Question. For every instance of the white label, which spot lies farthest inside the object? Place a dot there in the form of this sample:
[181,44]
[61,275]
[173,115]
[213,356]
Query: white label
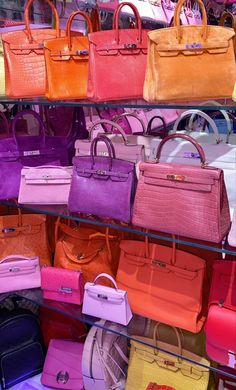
[31,153]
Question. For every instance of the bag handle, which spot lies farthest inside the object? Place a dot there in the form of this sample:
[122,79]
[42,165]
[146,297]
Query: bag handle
[133,115]
[149,126]
[110,148]
[20,115]
[227,117]
[27,22]
[111,123]
[225,16]
[69,23]
[104,275]
[14,257]
[116,24]
[186,138]
[156,337]
[6,127]
[177,19]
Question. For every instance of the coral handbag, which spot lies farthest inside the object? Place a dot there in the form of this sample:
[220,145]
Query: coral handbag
[68,56]
[176,54]
[114,51]
[24,57]
[221,321]
[194,198]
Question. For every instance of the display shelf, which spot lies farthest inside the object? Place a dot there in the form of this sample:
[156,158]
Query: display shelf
[63,212]
[75,312]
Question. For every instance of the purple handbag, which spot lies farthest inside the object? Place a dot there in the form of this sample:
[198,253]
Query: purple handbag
[111,114]
[103,186]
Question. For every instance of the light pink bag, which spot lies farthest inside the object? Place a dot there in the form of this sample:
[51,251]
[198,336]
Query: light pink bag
[18,273]
[45,185]
[62,285]
[62,367]
[106,302]
[232,233]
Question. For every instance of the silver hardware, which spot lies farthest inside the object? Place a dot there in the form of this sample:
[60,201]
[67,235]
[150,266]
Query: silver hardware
[100,172]
[82,52]
[62,377]
[191,155]
[158,263]
[193,46]
[221,302]
[65,290]
[102,296]
[80,256]
[8,230]
[130,46]
[104,154]
[14,269]
[40,46]
[31,153]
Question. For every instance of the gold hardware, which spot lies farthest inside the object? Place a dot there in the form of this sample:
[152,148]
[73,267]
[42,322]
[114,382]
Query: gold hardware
[176,177]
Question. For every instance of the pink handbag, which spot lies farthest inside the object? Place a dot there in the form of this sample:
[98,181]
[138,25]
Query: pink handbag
[18,272]
[232,233]
[105,302]
[62,367]
[62,285]
[180,199]
[45,185]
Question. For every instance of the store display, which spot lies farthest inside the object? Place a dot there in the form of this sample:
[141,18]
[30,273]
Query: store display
[232,233]
[176,54]
[18,273]
[105,357]
[108,303]
[221,321]
[62,367]
[62,285]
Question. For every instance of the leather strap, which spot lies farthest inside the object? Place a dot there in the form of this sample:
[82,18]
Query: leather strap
[36,116]
[227,116]
[137,18]
[5,123]
[15,257]
[104,275]
[110,148]
[111,123]
[69,22]
[225,16]
[149,126]
[133,115]
[156,336]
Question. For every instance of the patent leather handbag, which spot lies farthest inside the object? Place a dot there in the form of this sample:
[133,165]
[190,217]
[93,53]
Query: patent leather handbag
[108,303]
[18,272]
[68,56]
[119,49]
[24,57]
[197,194]
[62,285]
[105,175]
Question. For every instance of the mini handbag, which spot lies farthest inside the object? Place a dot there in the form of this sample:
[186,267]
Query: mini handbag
[62,366]
[106,302]
[62,285]
[18,272]
[45,185]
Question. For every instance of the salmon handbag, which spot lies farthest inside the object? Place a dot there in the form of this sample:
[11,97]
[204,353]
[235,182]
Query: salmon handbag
[120,55]
[168,280]
[68,56]
[176,56]
[24,57]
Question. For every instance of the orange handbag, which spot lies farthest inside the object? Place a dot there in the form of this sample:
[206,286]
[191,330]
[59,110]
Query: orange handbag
[168,280]
[68,56]
[24,57]
[223,18]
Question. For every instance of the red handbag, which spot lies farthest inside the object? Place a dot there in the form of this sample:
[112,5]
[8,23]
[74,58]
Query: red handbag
[112,51]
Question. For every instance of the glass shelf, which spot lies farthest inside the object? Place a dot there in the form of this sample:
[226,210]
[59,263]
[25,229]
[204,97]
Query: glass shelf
[75,312]
[63,212]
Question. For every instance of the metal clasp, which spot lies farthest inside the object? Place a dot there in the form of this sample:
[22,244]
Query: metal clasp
[63,377]
[102,296]
[65,290]
[14,269]
[158,263]
[82,52]
[100,172]
[193,46]
[130,46]
[176,177]
[8,230]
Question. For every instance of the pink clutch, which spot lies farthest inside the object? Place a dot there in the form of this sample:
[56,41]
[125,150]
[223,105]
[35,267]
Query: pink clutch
[62,367]
[64,285]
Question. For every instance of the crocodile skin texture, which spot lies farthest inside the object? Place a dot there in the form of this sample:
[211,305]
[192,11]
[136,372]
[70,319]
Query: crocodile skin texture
[194,206]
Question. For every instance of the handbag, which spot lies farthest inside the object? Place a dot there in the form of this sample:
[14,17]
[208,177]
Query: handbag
[225,16]
[45,185]
[195,195]
[169,281]
[232,233]
[119,49]
[105,175]
[68,56]
[62,366]
[110,113]
[18,272]
[175,56]
[62,285]
[24,56]
[108,303]
[147,362]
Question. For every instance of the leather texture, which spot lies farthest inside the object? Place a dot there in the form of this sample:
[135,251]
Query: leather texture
[68,56]
[62,366]
[116,50]
[103,176]
[24,57]
[106,302]
[232,233]
[19,273]
[62,285]
[194,198]
[45,185]
[176,54]
[221,321]
[2,70]
[226,16]
[168,280]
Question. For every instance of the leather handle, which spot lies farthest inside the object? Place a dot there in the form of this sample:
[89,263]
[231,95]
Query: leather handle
[225,16]
[149,126]
[14,257]
[27,22]
[133,115]
[69,23]
[156,337]
[6,127]
[186,138]
[227,118]
[104,275]
[111,123]
[36,116]
[137,17]
[109,145]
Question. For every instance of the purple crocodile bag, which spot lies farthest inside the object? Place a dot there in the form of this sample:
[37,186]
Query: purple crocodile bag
[103,186]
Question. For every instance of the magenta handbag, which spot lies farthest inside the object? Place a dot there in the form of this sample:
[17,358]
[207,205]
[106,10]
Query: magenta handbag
[64,285]
[62,367]
[19,273]
[180,199]
[108,303]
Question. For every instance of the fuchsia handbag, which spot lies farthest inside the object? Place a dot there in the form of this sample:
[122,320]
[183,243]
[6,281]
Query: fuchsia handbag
[182,199]
[62,285]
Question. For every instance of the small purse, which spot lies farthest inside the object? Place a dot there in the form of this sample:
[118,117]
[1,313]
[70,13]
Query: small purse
[105,302]
[18,272]
[62,285]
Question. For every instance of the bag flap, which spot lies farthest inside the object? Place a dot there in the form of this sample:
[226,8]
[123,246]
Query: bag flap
[19,39]
[16,267]
[104,294]
[60,279]
[223,288]
[51,175]
[59,50]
